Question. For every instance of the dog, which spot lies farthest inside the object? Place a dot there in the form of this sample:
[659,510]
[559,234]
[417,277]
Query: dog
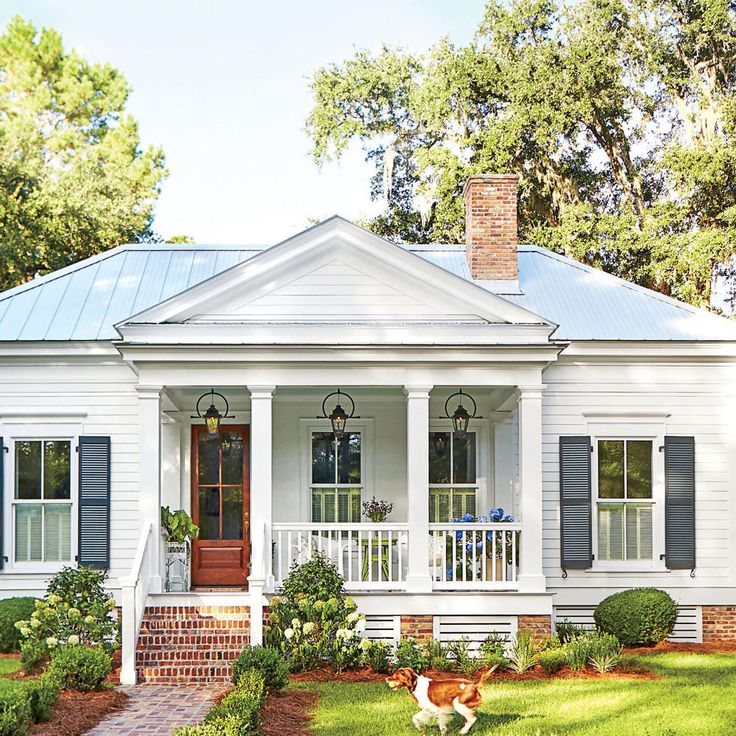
[439,698]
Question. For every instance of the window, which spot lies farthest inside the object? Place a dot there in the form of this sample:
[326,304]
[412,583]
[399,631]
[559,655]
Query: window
[42,509]
[625,500]
[336,477]
[452,476]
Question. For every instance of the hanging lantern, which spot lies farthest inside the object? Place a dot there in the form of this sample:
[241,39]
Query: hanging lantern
[461,416]
[212,417]
[338,416]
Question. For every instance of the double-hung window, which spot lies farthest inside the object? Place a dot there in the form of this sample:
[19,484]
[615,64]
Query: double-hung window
[625,500]
[453,487]
[336,477]
[42,501]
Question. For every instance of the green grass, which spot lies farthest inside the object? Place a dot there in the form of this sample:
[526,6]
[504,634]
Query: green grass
[8,665]
[695,697]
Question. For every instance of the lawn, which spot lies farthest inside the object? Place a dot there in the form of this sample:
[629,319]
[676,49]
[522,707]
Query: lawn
[695,697]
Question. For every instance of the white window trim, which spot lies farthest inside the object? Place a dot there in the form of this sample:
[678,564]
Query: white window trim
[650,428]
[11,433]
[307,426]
[481,427]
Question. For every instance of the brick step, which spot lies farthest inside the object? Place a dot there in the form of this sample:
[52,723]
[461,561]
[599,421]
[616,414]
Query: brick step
[195,623]
[193,674]
[209,642]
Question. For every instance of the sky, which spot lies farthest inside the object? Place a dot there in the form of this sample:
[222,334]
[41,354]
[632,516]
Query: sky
[223,86]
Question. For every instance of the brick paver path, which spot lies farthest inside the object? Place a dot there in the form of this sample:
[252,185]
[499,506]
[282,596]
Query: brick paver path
[158,709]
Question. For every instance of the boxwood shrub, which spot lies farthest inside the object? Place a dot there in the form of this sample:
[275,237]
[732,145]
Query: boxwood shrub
[267,661]
[11,611]
[16,711]
[79,668]
[637,617]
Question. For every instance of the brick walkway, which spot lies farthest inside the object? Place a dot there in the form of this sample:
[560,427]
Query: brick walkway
[158,709]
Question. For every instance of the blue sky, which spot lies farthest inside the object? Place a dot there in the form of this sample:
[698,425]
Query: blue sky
[222,85]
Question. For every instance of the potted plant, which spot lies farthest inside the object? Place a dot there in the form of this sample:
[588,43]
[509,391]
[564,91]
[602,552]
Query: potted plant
[178,529]
[377,510]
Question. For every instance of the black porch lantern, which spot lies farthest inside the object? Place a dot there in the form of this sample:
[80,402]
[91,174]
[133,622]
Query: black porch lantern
[461,416]
[212,416]
[338,417]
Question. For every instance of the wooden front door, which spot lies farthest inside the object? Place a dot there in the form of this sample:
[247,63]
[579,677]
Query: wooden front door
[221,506]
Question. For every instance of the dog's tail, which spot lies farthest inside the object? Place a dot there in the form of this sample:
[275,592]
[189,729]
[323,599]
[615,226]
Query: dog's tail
[486,674]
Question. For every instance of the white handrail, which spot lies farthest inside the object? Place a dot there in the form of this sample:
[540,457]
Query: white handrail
[135,589]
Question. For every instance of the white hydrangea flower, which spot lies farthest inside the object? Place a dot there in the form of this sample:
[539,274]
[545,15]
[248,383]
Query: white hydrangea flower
[360,626]
[288,633]
[309,627]
[365,644]
[51,642]
[296,623]
[73,639]
[354,616]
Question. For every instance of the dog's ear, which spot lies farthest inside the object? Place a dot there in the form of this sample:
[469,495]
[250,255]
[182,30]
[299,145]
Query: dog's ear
[412,677]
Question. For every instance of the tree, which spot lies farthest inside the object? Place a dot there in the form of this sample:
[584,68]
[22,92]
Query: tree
[619,116]
[74,180]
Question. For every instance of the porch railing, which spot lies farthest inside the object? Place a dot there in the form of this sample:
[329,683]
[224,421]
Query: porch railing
[368,556]
[481,556]
[134,591]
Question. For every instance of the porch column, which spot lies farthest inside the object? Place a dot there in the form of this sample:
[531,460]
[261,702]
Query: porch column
[418,579]
[149,472]
[531,572]
[261,464]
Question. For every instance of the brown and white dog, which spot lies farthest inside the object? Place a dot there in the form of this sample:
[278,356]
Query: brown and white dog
[437,699]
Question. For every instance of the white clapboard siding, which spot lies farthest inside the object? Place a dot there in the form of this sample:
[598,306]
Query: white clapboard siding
[474,629]
[383,628]
[688,627]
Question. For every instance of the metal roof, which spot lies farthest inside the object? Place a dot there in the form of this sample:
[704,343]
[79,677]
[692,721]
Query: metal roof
[84,301]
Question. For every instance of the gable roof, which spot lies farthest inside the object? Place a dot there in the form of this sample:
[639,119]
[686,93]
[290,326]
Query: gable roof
[85,300]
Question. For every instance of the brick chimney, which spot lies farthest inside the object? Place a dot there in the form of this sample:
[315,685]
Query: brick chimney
[491,234]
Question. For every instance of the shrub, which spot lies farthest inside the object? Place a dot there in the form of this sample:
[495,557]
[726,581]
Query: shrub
[496,662]
[439,656]
[522,656]
[79,668]
[269,664]
[16,712]
[376,655]
[43,692]
[577,651]
[551,660]
[227,726]
[410,654]
[460,659]
[493,644]
[550,643]
[604,653]
[13,610]
[637,617]
[75,610]
[567,631]
[314,621]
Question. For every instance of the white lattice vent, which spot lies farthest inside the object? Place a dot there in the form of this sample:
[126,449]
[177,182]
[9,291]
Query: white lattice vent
[688,627]
[473,628]
[383,628]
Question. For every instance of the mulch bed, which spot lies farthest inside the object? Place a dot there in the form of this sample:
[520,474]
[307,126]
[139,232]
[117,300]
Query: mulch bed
[75,712]
[289,713]
[665,647]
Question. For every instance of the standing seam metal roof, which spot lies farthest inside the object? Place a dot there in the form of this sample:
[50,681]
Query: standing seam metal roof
[84,301]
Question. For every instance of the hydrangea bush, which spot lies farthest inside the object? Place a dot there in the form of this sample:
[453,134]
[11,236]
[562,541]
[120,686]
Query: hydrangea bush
[314,622]
[76,610]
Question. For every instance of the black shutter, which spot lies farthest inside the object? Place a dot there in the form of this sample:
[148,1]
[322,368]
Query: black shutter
[94,502]
[576,540]
[679,503]
[2,501]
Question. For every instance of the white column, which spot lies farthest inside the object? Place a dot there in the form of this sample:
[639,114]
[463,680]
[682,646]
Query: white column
[418,579]
[531,571]
[149,473]
[261,503]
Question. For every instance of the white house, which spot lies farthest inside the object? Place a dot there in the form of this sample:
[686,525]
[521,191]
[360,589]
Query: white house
[603,421]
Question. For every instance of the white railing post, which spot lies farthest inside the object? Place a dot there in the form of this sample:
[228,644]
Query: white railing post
[129,633]
[531,570]
[418,579]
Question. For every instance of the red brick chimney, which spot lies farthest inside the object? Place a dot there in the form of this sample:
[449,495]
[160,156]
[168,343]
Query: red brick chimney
[491,234]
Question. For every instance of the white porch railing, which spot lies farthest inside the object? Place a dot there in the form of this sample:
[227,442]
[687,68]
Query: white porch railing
[135,591]
[468,556]
[368,556]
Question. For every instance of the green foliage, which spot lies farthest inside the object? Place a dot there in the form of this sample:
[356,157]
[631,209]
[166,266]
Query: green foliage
[314,622]
[76,667]
[410,654]
[604,652]
[43,692]
[74,180]
[13,610]
[566,631]
[438,655]
[16,709]
[630,664]
[637,617]
[496,661]
[376,656]
[550,643]
[178,525]
[75,610]
[551,660]
[522,655]
[618,116]
[458,653]
[493,644]
[267,661]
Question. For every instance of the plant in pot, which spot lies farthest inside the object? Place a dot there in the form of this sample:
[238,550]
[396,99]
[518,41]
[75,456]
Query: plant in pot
[178,529]
[377,510]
